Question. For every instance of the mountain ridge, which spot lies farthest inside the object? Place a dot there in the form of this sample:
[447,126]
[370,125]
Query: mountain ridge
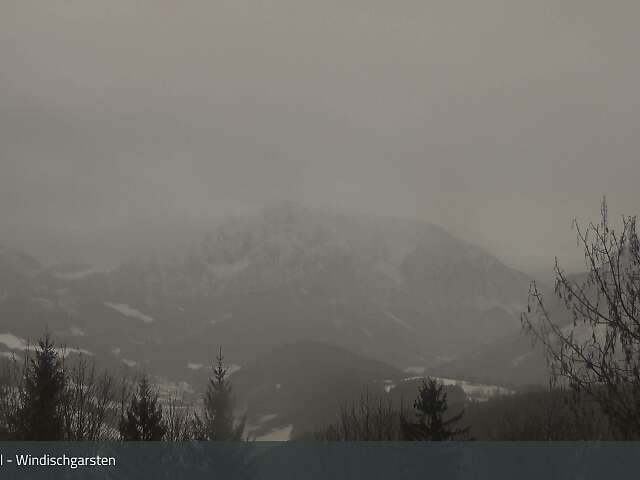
[404,292]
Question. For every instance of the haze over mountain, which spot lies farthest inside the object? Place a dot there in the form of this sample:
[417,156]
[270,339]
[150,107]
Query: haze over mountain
[407,293]
[498,120]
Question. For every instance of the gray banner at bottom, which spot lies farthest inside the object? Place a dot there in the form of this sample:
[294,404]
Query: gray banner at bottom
[309,460]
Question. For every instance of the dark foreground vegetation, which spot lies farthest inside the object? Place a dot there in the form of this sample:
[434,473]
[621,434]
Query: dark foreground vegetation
[51,396]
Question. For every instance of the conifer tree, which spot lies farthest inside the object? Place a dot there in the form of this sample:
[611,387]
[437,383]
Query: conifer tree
[38,415]
[143,419]
[430,408]
[218,422]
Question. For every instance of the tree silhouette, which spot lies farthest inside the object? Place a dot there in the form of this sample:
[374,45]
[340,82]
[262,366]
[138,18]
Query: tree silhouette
[143,419]
[369,418]
[598,351]
[89,407]
[430,408]
[218,421]
[38,414]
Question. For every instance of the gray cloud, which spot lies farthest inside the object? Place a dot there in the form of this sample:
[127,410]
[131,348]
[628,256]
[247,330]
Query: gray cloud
[500,120]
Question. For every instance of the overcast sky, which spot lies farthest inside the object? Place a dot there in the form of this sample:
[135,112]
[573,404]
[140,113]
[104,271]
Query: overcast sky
[498,119]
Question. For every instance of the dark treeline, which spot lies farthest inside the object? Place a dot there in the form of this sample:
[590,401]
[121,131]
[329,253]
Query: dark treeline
[376,418]
[47,397]
[535,414]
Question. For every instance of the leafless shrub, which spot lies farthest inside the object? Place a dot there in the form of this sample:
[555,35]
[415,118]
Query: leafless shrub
[366,419]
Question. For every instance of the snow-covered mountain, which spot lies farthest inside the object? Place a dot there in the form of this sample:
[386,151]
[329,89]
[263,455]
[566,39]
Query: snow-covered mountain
[404,292]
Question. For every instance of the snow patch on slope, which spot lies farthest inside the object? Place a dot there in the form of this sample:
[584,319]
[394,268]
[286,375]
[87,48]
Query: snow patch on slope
[127,311]
[399,321]
[277,435]
[16,343]
[12,342]
[474,391]
[76,275]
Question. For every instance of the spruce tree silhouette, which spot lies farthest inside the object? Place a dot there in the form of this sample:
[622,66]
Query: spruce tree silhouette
[38,415]
[430,408]
[218,422]
[143,419]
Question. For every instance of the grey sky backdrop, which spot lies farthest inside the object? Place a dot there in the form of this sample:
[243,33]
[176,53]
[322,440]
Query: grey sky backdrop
[498,119]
